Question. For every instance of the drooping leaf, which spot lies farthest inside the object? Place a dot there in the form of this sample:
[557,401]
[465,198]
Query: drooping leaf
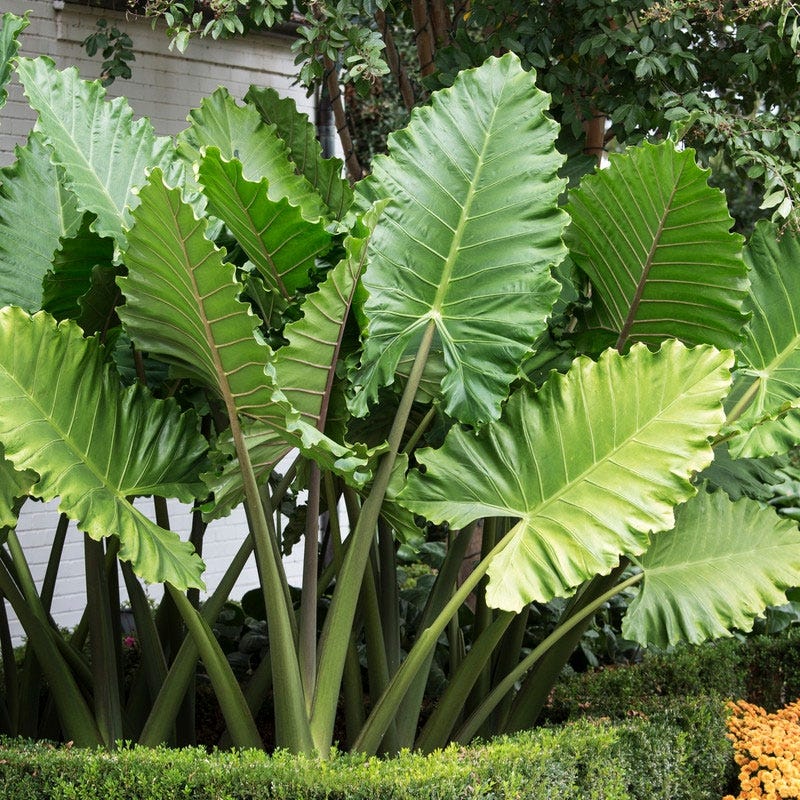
[721,566]
[767,384]
[300,136]
[35,212]
[103,151]
[64,415]
[742,477]
[654,239]
[182,305]
[240,134]
[468,239]
[14,485]
[10,28]
[590,464]
[273,233]
[81,285]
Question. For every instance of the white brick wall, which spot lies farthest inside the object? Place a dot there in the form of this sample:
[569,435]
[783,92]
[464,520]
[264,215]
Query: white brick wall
[165,87]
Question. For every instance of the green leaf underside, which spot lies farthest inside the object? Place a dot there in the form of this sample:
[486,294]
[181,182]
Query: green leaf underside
[591,464]
[655,241]
[240,134]
[35,211]
[14,485]
[182,305]
[104,152]
[769,359]
[467,240]
[12,26]
[64,415]
[82,276]
[300,137]
[721,566]
[274,234]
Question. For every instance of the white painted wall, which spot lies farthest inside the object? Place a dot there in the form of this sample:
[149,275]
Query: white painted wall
[164,87]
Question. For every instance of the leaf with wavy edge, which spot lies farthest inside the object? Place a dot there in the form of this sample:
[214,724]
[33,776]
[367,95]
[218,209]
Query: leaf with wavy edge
[104,152]
[14,485]
[273,233]
[94,444]
[591,464]
[468,240]
[767,383]
[654,239]
[182,304]
[238,132]
[720,567]
[304,369]
[36,211]
[300,136]
[11,27]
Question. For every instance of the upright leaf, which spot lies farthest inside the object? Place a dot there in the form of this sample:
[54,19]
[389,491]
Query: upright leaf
[468,239]
[274,234]
[768,380]
[36,211]
[182,305]
[64,415]
[721,566]
[655,241]
[103,151]
[590,464]
[300,136]
[240,134]
[10,29]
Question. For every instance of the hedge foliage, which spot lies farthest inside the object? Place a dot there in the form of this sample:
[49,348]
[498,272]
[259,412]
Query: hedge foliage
[675,755]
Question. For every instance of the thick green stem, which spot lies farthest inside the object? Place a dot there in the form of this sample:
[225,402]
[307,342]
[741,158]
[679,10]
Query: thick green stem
[536,687]
[476,719]
[104,648]
[389,595]
[10,672]
[232,703]
[334,640]
[308,599]
[54,562]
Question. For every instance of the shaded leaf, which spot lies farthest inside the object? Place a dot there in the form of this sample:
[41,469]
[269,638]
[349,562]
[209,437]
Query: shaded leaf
[654,239]
[767,383]
[11,27]
[721,566]
[35,212]
[590,464]
[64,415]
[14,485]
[468,238]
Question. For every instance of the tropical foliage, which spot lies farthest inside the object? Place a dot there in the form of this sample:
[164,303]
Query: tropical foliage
[445,351]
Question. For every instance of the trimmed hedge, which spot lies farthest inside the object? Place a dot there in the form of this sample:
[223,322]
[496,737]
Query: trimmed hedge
[676,754]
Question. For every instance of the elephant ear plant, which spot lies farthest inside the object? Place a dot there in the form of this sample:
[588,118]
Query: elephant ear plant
[442,351]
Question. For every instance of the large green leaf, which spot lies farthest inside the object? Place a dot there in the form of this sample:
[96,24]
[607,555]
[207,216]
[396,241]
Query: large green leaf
[590,464]
[35,212]
[64,415]
[273,233]
[721,566]
[655,241]
[182,305]
[10,28]
[104,152]
[300,136]
[468,239]
[14,485]
[240,134]
[767,384]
